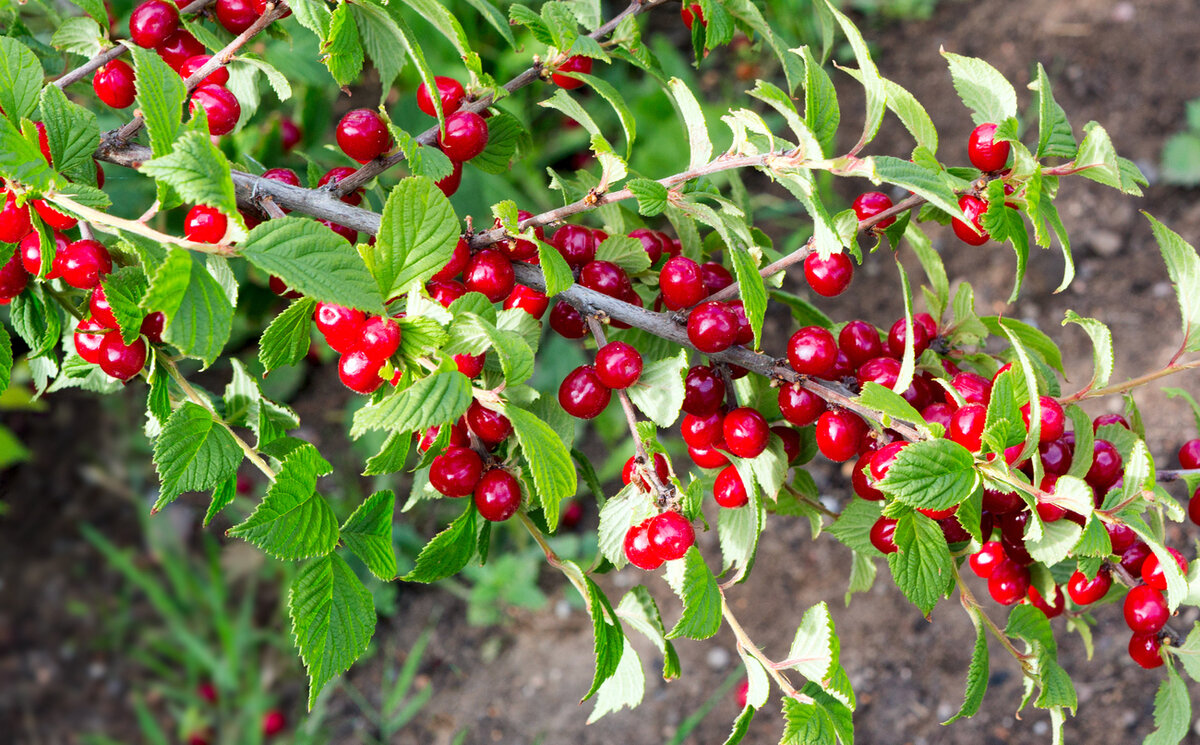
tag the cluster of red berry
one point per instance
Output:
(366, 343)
(460, 470)
(989, 156)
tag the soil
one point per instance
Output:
(1127, 65)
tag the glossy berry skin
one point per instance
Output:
(1193, 505)
(1106, 466)
(498, 495)
(101, 310)
(152, 327)
(1056, 457)
(1084, 591)
(1054, 421)
(380, 338)
(985, 153)
(973, 209)
(1145, 609)
(882, 535)
(702, 431)
(359, 372)
(882, 461)
(14, 220)
(897, 337)
(630, 473)
(177, 48)
(984, 561)
(89, 335)
(491, 273)
(703, 391)
(567, 321)
(219, 76)
(966, 426)
(606, 278)
(84, 262)
(975, 389)
(459, 259)
(30, 250)
(576, 243)
(938, 414)
(363, 135)
(1104, 419)
(812, 351)
(220, 105)
(1146, 650)
(577, 63)
(282, 175)
(114, 86)
(448, 185)
(1189, 454)
(1152, 572)
(839, 434)
(671, 535)
(1121, 536)
(690, 14)
(618, 365)
(638, 550)
(1134, 556)
(1052, 609)
(490, 426)
(860, 341)
(533, 302)
(120, 360)
(798, 405)
(712, 327)
(456, 472)
(13, 279)
(342, 327)
(790, 439)
(651, 241)
(289, 131)
(860, 479)
(521, 250)
(708, 457)
(273, 722)
(465, 137)
(450, 91)
(714, 276)
(470, 365)
(152, 22)
(582, 395)
(746, 432)
(828, 277)
(1009, 582)
(871, 203)
(728, 489)
(681, 283)
(236, 15)
(53, 218)
(882, 370)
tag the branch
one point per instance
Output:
(1132, 383)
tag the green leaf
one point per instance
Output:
(693, 120)
(609, 637)
(94, 8)
(889, 403)
(1102, 347)
(739, 530)
(72, 132)
(1097, 158)
(505, 133)
(391, 455)
(1172, 711)
(193, 453)
(627, 253)
(916, 179)
(1183, 267)
(286, 340)
(872, 83)
(806, 724)
(555, 269)
(199, 313)
(276, 79)
(160, 98)
(1058, 538)
(293, 521)
(36, 321)
(416, 238)
(368, 533)
(624, 688)
(627, 508)
(752, 290)
(437, 399)
(495, 18)
(312, 15)
(20, 79)
(313, 260)
(448, 552)
(617, 101)
(912, 115)
(977, 673)
(658, 393)
(198, 171)
(651, 196)
(821, 111)
(1188, 653)
(516, 357)
(922, 565)
(124, 290)
(815, 649)
(1180, 160)
(989, 96)
(333, 619)
(771, 95)
(1180, 393)
(6, 359)
(1031, 338)
(1055, 138)
(701, 599)
(933, 474)
(21, 160)
(342, 50)
(549, 460)
(853, 526)
(1094, 541)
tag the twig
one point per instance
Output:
(746, 643)
(1132, 383)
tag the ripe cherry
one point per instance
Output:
(114, 85)
(973, 209)
(363, 135)
(1145, 609)
(939, 414)
(576, 243)
(342, 327)
(1189, 454)
(1052, 609)
(221, 107)
(1106, 466)
(897, 338)
(681, 283)
(975, 389)
(1193, 504)
(1134, 556)
(986, 559)
(1146, 650)
(746, 432)
(53, 218)
(236, 15)
(702, 431)
(812, 351)
(152, 327)
(1009, 582)
(671, 535)
(712, 327)
(882, 535)
(662, 470)
(1053, 419)
(282, 175)
(491, 273)
(380, 338)
(985, 153)
(1104, 419)
(860, 341)
(703, 391)
(289, 131)
(828, 277)
(1152, 571)
(14, 220)
(882, 370)
(521, 250)
(456, 472)
(448, 185)
(470, 365)
(31, 254)
(606, 278)
(498, 495)
(219, 76)
(1121, 536)
(618, 365)
(638, 550)
(534, 302)
(459, 259)
(651, 241)
(359, 372)
(708, 457)
(582, 395)
(177, 48)
(450, 91)
(839, 434)
(84, 262)
(490, 426)
(101, 310)
(1056, 456)
(1084, 591)
(728, 489)
(860, 479)
(465, 137)
(883, 458)
(89, 335)
(715, 277)
(458, 436)
(799, 405)
(120, 360)
(966, 426)
(567, 321)
(690, 13)
(152, 22)
(871, 203)
(577, 63)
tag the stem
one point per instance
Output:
(114, 224)
(972, 606)
(1177, 474)
(815, 504)
(746, 643)
(1132, 383)
(551, 557)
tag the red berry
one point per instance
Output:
(450, 91)
(828, 277)
(31, 254)
(799, 405)
(449, 184)
(651, 241)
(120, 360)
(1056, 457)
(1193, 503)
(1084, 591)
(363, 135)
(670, 534)
(933, 514)
(1146, 650)
(52, 217)
(790, 439)
(638, 550)
(882, 370)
(456, 472)
(985, 153)
(534, 302)
(712, 327)
(289, 132)
(582, 395)
(871, 203)
(881, 462)
(715, 277)
(681, 283)
(1106, 466)
(746, 432)
(205, 224)
(839, 434)
(491, 273)
(939, 414)
(882, 535)
(1152, 571)
(1054, 421)
(84, 262)
(114, 86)
(662, 470)
(380, 338)
(860, 341)
(177, 48)
(236, 15)
(207, 691)
(618, 365)
(567, 321)
(812, 351)
(465, 137)
(1104, 419)
(1121, 536)
(701, 431)
(490, 426)
(14, 220)
(273, 722)
(690, 14)
(458, 436)
(470, 365)
(897, 338)
(101, 310)
(606, 278)
(359, 372)
(349, 234)
(975, 389)
(1009, 582)
(973, 209)
(152, 22)
(1134, 556)
(342, 327)
(1052, 609)
(728, 490)
(861, 482)
(498, 495)
(89, 335)
(282, 175)
(334, 175)
(986, 559)
(152, 326)
(1145, 609)
(966, 426)
(521, 250)
(576, 243)
(1189, 454)
(742, 692)
(703, 391)
(708, 457)
(577, 63)
(458, 261)
(221, 107)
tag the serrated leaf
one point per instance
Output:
(701, 598)
(1183, 267)
(693, 121)
(977, 673)
(738, 530)
(1057, 540)
(505, 133)
(72, 132)
(333, 619)
(197, 170)
(6, 359)
(752, 290)
(891, 404)
(627, 253)
(651, 196)
(872, 83)
(659, 391)
(368, 533)
(555, 269)
(20, 159)
(199, 314)
(912, 115)
(921, 566)
(124, 290)
(806, 724)
(342, 50)
(448, 552)
(287, 338)
(1055, 137)
(1097, 158)
(989, 96)
(624, 688)
(815, 648)
(627, 508)
(20, 79)
(803, 312)
(193, 453)
(293, 521)
(933, 474)
(1172, 711)
(436, 399)
(160, 98)
(916, 179)
(549, 460)
(1102, 347)
(36, 320)
(95, 9)
(821, 111)
(1188, 653)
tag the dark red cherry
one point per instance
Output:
(152, 326)
(985, 153)
(812, 351)
(681, 283)
(1146, 650)
(746, 432)
(450, 91)
(799, 405)
(89, 335)
(1152, 571)
(14, 220)
(671, 535)
(618, 365)
(1106, 466)
(448, 185)
(986, 559)
(1056, 457)
(712, 327)
(839, 434)
(828, 277)
(1134, 556)
(363, 135)
(939, 413)
(360, 373)
(177, 48)
(567, 321)
(84, 262)
(966, 426)
(342, 327)
(380, 338)
(1104, 419)
(1193, 503)
(715, 277)
(860, 341)
(1145, 609)
(498, 495)
(897, 338)
(975, 389)
(1009, 582)
(790, 439)
(491, 273)
(882, 535)
(533, 302)
(465, 137)
(220, 76)
(702, 431)
(221, 107)
(728, 489)
(973, 209)
(582, 395)
(703, 391)
(490, 426)
(577, 63)
(53, 218)
(236, 15)
(470, 365)
(289, 131)
(120, 360)
(456, 472)
(282, 175)
(606, 278)
(651, 241)
(152, 22)
(871, 203)
(1121, 536)
(882, 370)
(1053, 419)
(638, 550)
(458, 261)
(1084, 591)
(521, 250)
(576, 243)
(882, 461)
(114, 85)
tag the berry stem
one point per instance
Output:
(815, 504)
(576, 577)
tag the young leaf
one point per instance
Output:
(916, 179)
(549, 460)
(197, 170)
(1172, 711)
(701, 599)
(124, 290)
(333, 619)
(806, 724)
(1097, 158)
(871, 81)
(416, 236)
(651, 196)
(658, 393)
(437, 399)
(609, 636)
(198, 311)
(922, 565)
(1055, 137)
(989, 96)
(1183, 267)
(448, 552)
(368, 533)
(815, 648)
(638, 609)
(693, 120)
(293, 521)
(193, 453)
(627, 253)
(889, 403)
(821, 111)
(555, 270)
(287, 338)
(934, 474)
(342, 50)
(627, 508)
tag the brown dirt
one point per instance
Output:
(1127, 65)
